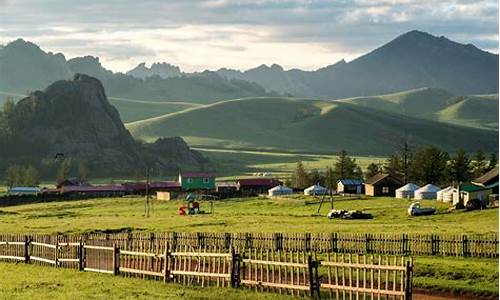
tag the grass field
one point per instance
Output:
(229, 162)
(254, 215)
(449, 274)
(36, 282)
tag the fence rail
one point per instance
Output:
(340, 276)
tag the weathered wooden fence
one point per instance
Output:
(485, 245)
(340, 276)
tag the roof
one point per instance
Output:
(381, 176)
(24, 189)
(257, 182)
(409, 187)
(471, 188)
(280, 188)
(315, 187)
(486, 177)
(93, 189)
(429, 188)
(197, 174)
(164, 184)
(226, 184)
(351, 181)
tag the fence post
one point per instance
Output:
(235, 269)
(278, 242)
(308, 242)
(80, 256)
(368, 243)
(314, 284)
(174, 240)
(166, 270)
(433, 244)
(26, 249)
(227, 240)
(334, 239)
(409, 279)
(248, 240)
(201, 239)
(116, 259)
(56, 252)
(465, 245)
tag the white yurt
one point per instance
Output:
(446, 194)
(407, 191)
(279, 190)
(314, 190)
(428, 191)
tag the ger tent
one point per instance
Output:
(446, 194)
(407, 191)
(279, 190)
(428, 191)
(315, 190)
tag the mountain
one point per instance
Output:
(74, 117)
(163, 70)
(25, 67)
(413, 60)
(309, 126)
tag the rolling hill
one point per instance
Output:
(479, 111)
(308, 126)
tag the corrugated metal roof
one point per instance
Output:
(197, 174)
(258, 182)
(92, 189)
(24, 189)
(351, 181)
(487, 176)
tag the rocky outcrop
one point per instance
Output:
(74, 117)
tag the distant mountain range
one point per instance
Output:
(413, 60)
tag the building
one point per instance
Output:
(280, 190)
(24, 191)
(428, 191)
(226, 187)
(350, 186)
(489, 179)
(407, 191)
(255, 186)
(382, 185)
(445, 195)
(94, 191)
(315, 190)
(468, 192)
(197, 181)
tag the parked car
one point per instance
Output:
(415, 209)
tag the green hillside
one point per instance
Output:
(418, 103)
(478, 111)
(135, 110)
(307, 125)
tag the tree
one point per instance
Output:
(479, 164)
(13, 175)
(64, 168)
(372, 170)
(31, 176)
(429, 165)
(299, 177)
(330, 179)
(460, 170)
(398, 164)
(493, 161)
(83, 172)
(314, 177)
(346, 167)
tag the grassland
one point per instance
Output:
(230, 162)
(478, 111)
(254, 215)
(286, 124)
(36, 282)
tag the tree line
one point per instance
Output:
(424, 165)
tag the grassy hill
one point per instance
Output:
(417, 102)
(306, 125)
(135, 110)
(479, 111)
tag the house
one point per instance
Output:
(226, 187)
(255, 186)
(70, 182)
(197, 181)
(280, 190)
(468, 192)
(489, 179)
(350, 186)
(428, 191)
(315, 190)
(24, 191)
(382, 185)
(407, 191)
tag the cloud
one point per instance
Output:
(200, 34)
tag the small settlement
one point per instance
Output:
(480, 192)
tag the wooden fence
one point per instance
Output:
(338, 276)
(385, 244)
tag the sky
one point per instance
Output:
(198, 35)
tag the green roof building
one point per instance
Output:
(197, 181)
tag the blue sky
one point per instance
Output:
(198, 35)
